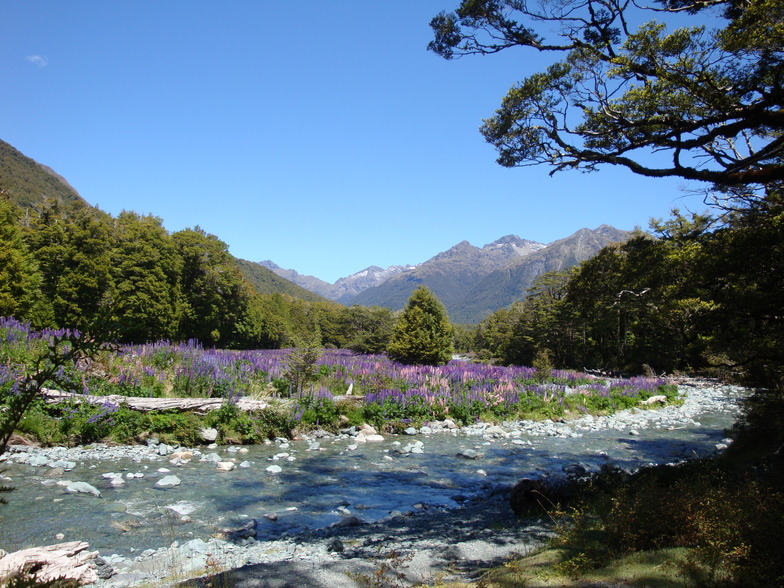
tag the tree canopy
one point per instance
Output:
(422, 334)
(702, 102)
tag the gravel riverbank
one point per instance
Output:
(430, 540)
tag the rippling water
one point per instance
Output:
(317, 488)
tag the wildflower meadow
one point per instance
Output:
(341, 388)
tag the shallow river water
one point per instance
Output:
(324, 480)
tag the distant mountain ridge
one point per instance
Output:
(472, 282)
(343, 290)
(502, 287)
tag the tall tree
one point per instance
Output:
(422, 334)
(214, 292)
(20, 280)
(146, 271)
(707, 101)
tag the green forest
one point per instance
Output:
(70, 265)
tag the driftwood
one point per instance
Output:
(65, 561)
(197, 405)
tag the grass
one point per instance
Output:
(655, 569)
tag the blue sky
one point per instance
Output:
(320, 135)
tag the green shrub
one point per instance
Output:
(176, 427)
(319, 411)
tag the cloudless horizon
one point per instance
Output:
(320, 135)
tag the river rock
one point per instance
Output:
(495, 432)
(168, 482)
(209, 435)
(574, 469)
(363, 437)
(247, 530)
(274, 469)
(349, 521)
(416, 447)
(368, 429)
(469, 454)
(37, 460)
(182, 508)
(83, 487)
(225, 466)
(410, 431)
(103, 569)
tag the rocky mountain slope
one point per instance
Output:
(506, 285)
(344, 289)
(473, 282)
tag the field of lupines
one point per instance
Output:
(385, 393)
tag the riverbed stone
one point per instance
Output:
(225, 466)
(209, 435)
(469, 454)
(495, 432)
(274, 469)
(574, 469)
(64, 464)
(83, 488)
(168, 482)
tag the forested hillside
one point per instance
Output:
(27, 182)
(265, 281)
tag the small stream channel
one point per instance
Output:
(323, 480)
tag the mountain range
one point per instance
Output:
(471, 281)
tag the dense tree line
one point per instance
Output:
(697, 296)
(64, 265)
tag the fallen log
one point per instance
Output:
(62, 561)
(197, 405)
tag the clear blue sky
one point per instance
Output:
(319, 134)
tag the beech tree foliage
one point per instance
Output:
(422, 334)
(700, 102)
